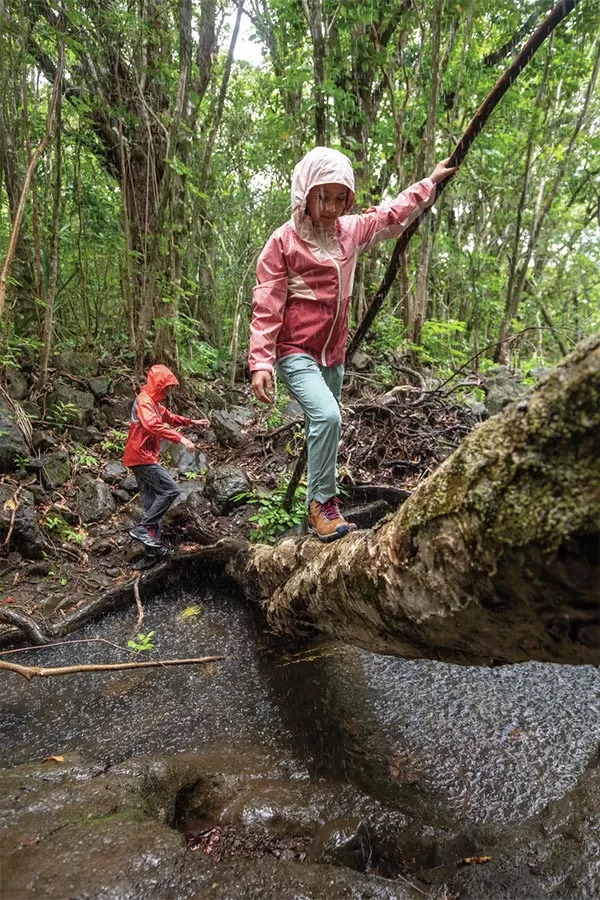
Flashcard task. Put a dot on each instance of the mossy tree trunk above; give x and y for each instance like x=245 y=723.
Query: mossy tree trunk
x=495 y=558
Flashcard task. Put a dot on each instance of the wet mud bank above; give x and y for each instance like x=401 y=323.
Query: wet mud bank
x=310 y=770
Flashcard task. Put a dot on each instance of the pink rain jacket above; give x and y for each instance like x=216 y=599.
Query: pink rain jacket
x=305 y=275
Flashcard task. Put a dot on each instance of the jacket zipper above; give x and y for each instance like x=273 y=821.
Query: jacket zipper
x=337 y=311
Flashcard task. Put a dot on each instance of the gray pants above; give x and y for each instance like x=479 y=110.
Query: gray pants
x=317 y=389
x=158 y=491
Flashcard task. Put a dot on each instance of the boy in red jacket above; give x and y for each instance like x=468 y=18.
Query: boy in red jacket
x=158 y=489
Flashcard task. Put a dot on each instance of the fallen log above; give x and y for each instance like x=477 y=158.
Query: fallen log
x=495 y=558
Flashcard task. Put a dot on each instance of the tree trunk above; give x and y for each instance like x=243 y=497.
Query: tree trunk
x=418 y=314
x=314 y=17
x=48 y=329
x=494 y=559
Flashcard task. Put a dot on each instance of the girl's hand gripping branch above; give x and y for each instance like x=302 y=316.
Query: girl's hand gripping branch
x=443 y=171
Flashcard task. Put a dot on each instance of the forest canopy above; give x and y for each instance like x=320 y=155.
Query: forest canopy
x=159 y=162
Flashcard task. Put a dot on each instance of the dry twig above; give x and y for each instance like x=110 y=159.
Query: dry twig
x=138 y=603
x=30 y=672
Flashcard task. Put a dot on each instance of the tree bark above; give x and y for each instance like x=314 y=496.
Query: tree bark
x=48 y=328
x=494 y=559
x=18 y=216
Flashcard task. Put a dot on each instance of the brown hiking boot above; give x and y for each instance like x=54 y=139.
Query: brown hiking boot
x=326 y=521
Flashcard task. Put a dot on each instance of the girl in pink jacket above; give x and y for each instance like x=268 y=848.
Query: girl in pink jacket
x=305 y=276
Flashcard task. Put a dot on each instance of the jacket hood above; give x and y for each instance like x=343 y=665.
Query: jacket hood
x=322 y=165
x=159 y=378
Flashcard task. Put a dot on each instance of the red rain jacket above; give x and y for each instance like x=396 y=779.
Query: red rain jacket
x=147 y=427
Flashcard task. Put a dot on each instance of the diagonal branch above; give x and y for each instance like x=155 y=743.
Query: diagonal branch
x=477 y=123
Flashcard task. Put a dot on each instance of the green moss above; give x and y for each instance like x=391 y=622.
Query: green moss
x=127 y=815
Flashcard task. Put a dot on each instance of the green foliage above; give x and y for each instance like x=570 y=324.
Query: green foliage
x=441 y=344
x=83 y=458
x=114 y=442
x=144 y=642
x=11 y=354
x=192 y=612
x=272 y=520
x=63 y=413
x=275 y=418
x=63 y=530
x=196 y=261
x=197 y=357
x=389 y=334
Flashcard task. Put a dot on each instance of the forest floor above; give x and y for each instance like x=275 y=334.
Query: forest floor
x=394 y=440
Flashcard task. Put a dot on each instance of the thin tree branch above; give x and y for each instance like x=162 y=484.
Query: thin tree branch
x=138 y=603
x=558 y=13
x=16 y=227
x=30 y=672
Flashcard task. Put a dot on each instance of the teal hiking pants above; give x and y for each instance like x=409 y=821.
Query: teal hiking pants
x=318 y=390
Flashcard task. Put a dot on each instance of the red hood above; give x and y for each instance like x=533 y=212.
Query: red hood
x=159 y=378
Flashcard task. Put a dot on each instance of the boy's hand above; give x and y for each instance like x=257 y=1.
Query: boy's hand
x=204 y=422
x=443 y=171
x=262 y=385
x=189 y=445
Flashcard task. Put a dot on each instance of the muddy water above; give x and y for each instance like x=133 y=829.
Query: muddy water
x=447 y=748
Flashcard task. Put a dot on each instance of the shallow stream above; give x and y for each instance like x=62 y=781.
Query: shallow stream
x=455 y=760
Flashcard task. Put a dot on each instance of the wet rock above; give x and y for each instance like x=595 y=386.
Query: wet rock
x=86 y=436
x=113 y=472
x=56 y=469
x=228 y=425
x=501 y=388
x=38 y=493
x=362 y=362
x=70 y=517
x=118 y=412
x=67 y=405
x=26 y=536
x=184 y=460
x=227 y=431
x=82 y=365
x=31 y=409
x=223 y=484
x=209 y=398
x=13 y=445
x=129 y=484
x=366 y=516
x=540 y=372
x=43 y=440
x=17 y=385
x=120 y=495
x=394 y=497
x=292 y=411
x=343 y=842
x=99 y=386
x=95 y=501
x=477 y=407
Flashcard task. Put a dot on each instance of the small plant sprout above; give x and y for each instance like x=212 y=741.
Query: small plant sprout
x=144 y=642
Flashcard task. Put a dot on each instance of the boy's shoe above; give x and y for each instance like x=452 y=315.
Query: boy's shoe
x=158 y=552
x=326 y=521
x=146 y=536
